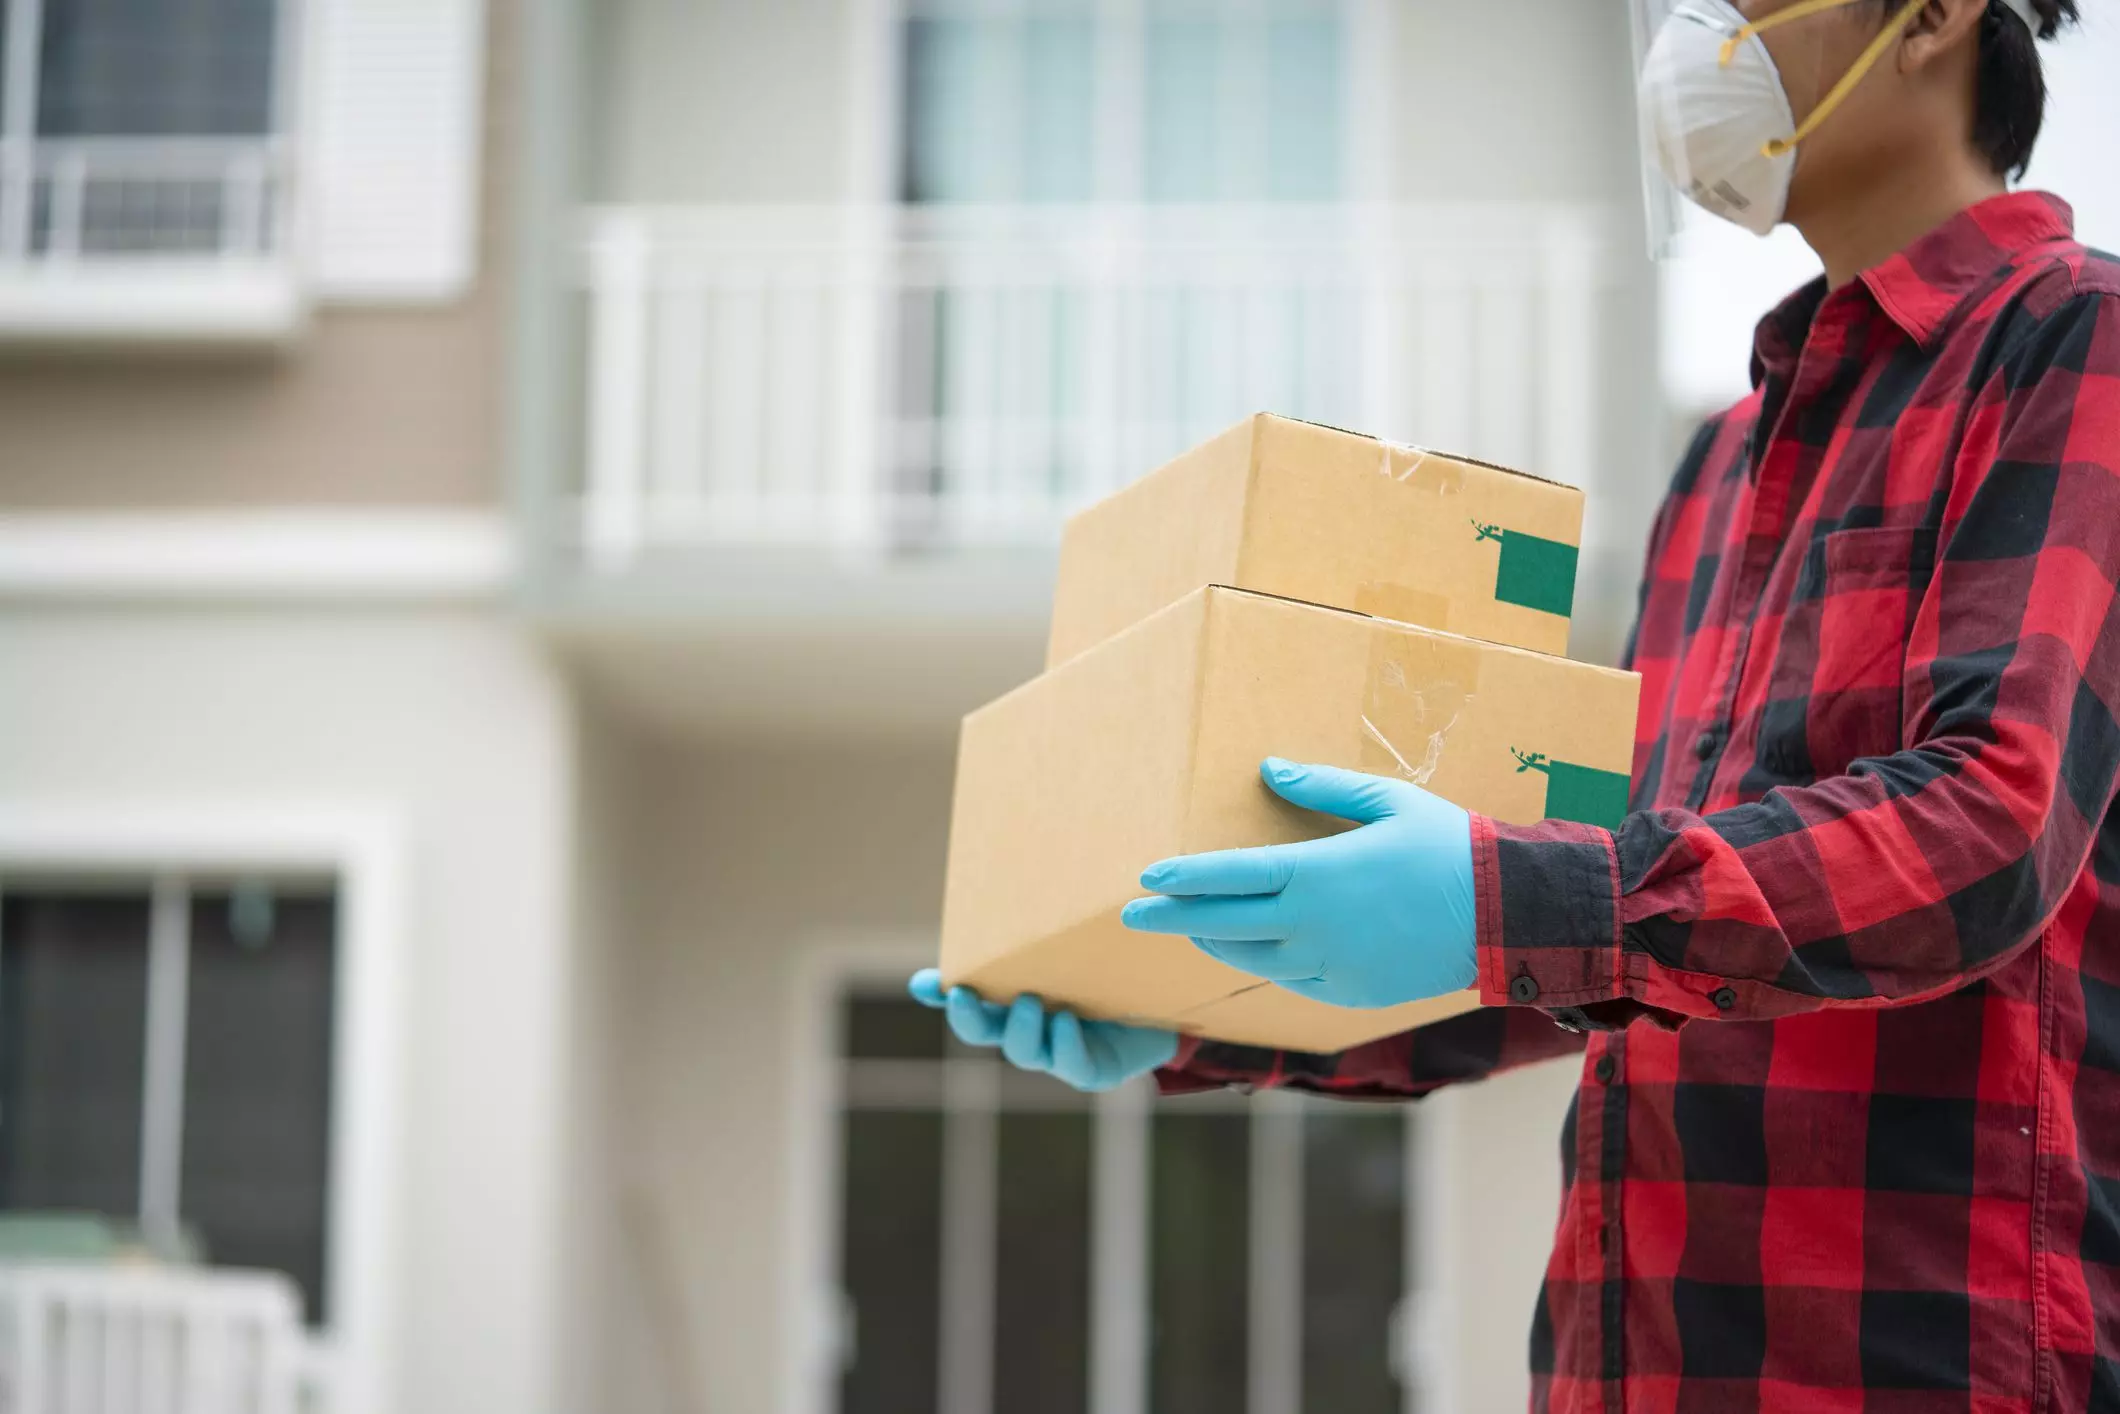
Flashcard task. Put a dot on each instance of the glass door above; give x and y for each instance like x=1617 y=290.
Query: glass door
x=1007 y=1246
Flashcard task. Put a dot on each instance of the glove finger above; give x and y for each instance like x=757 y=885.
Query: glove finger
x=1135 y=1050
x=1264 y=870
x=976 y=1022
x=1351 y=795
x=1072 y=1061
x=1240 y=919
x=925 y=987
x=1023 y=1039
x=1275 y=962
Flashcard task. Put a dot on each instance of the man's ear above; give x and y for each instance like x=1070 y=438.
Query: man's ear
x=1942 y=29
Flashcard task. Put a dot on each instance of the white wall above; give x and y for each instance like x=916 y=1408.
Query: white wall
x=1504 y=1198
x=721 y=100
x=1514 y=100
x=748 y=860
x=450 y=723
x=745 y=858
x=1533 y=101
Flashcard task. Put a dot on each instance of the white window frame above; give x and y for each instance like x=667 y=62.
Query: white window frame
x=875 y=72
x=813 y=1335
x=363 y=850
x=234 y=293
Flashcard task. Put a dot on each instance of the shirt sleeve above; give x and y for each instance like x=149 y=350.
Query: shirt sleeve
x=1469 y=1046
x=1910 y=874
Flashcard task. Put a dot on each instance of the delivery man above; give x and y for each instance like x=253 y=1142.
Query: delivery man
x=1848 y=979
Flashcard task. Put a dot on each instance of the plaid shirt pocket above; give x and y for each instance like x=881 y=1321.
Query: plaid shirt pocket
x=1846 y=639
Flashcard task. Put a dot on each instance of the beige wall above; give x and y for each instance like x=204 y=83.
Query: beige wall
x=453 y=726
x=368 y=407
x=746 y=864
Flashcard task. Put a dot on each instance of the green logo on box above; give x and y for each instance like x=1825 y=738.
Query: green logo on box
x=1579 y=793
x=1534 y=572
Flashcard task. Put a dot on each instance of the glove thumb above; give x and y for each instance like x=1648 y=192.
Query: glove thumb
x=1329 y=790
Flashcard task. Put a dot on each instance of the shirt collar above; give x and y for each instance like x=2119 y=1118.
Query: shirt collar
x=1922 y=288
x=1780 y=338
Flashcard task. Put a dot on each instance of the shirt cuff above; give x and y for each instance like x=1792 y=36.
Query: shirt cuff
x=1547 y=898
x=1208 y=1065
x=1552 y=933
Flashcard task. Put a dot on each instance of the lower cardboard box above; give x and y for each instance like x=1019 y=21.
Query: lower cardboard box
x=1149 y=745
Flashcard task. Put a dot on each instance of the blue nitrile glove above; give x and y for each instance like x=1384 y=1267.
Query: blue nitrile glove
x=1089 y=1055
x=1371 y=917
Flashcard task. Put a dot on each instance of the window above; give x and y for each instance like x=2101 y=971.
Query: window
x=166 y=1063
x=1004 y=1241
x=1073 y=308
x=139 y=129
x=1165 y=101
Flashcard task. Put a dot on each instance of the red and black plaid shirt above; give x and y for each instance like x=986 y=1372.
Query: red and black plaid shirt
x=1862 y=1151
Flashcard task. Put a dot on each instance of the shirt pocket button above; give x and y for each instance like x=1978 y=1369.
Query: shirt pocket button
x=1724 y=998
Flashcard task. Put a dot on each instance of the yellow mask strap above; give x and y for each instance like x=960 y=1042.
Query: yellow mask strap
x=1802 y=10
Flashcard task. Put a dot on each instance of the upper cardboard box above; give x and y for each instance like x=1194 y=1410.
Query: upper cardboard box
x=1149 y=745
x=1330 y=518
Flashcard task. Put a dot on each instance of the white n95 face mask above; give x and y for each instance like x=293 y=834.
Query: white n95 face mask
x=1715 y=129
x=1716 y=119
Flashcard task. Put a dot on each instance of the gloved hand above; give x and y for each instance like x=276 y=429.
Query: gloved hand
x=1372 y=917
x=1089 y=1055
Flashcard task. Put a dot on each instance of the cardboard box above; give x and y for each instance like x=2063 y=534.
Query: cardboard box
x=1149 y=745
x=1327 y=517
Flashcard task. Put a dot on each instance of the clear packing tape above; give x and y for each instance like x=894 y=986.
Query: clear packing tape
x=1419 y=688
x=1529 y=570
x=1421 y=704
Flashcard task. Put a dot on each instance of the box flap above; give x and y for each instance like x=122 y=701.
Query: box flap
x=1419 y=450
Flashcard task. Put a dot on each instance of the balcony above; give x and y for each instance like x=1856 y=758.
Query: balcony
x=177 y=240
x=800 y=435
x=146 y=1339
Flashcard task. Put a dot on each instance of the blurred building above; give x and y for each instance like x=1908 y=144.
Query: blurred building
x=838 y=309
x=500 y=508
x=286 y=794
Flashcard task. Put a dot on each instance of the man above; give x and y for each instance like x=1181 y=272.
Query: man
x=1848 y=1132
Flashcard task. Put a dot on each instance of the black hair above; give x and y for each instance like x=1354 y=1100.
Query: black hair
x=2011 y=104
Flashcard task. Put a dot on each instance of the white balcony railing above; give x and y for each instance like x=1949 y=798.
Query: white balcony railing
x=72 y=199
x=961 y=378
x=177 y=237
x=122 y=1340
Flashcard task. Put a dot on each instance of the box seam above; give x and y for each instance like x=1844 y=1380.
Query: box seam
x=1239 y=569
x=1208 y=618
x=1424 y=628
x=1458 y=457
